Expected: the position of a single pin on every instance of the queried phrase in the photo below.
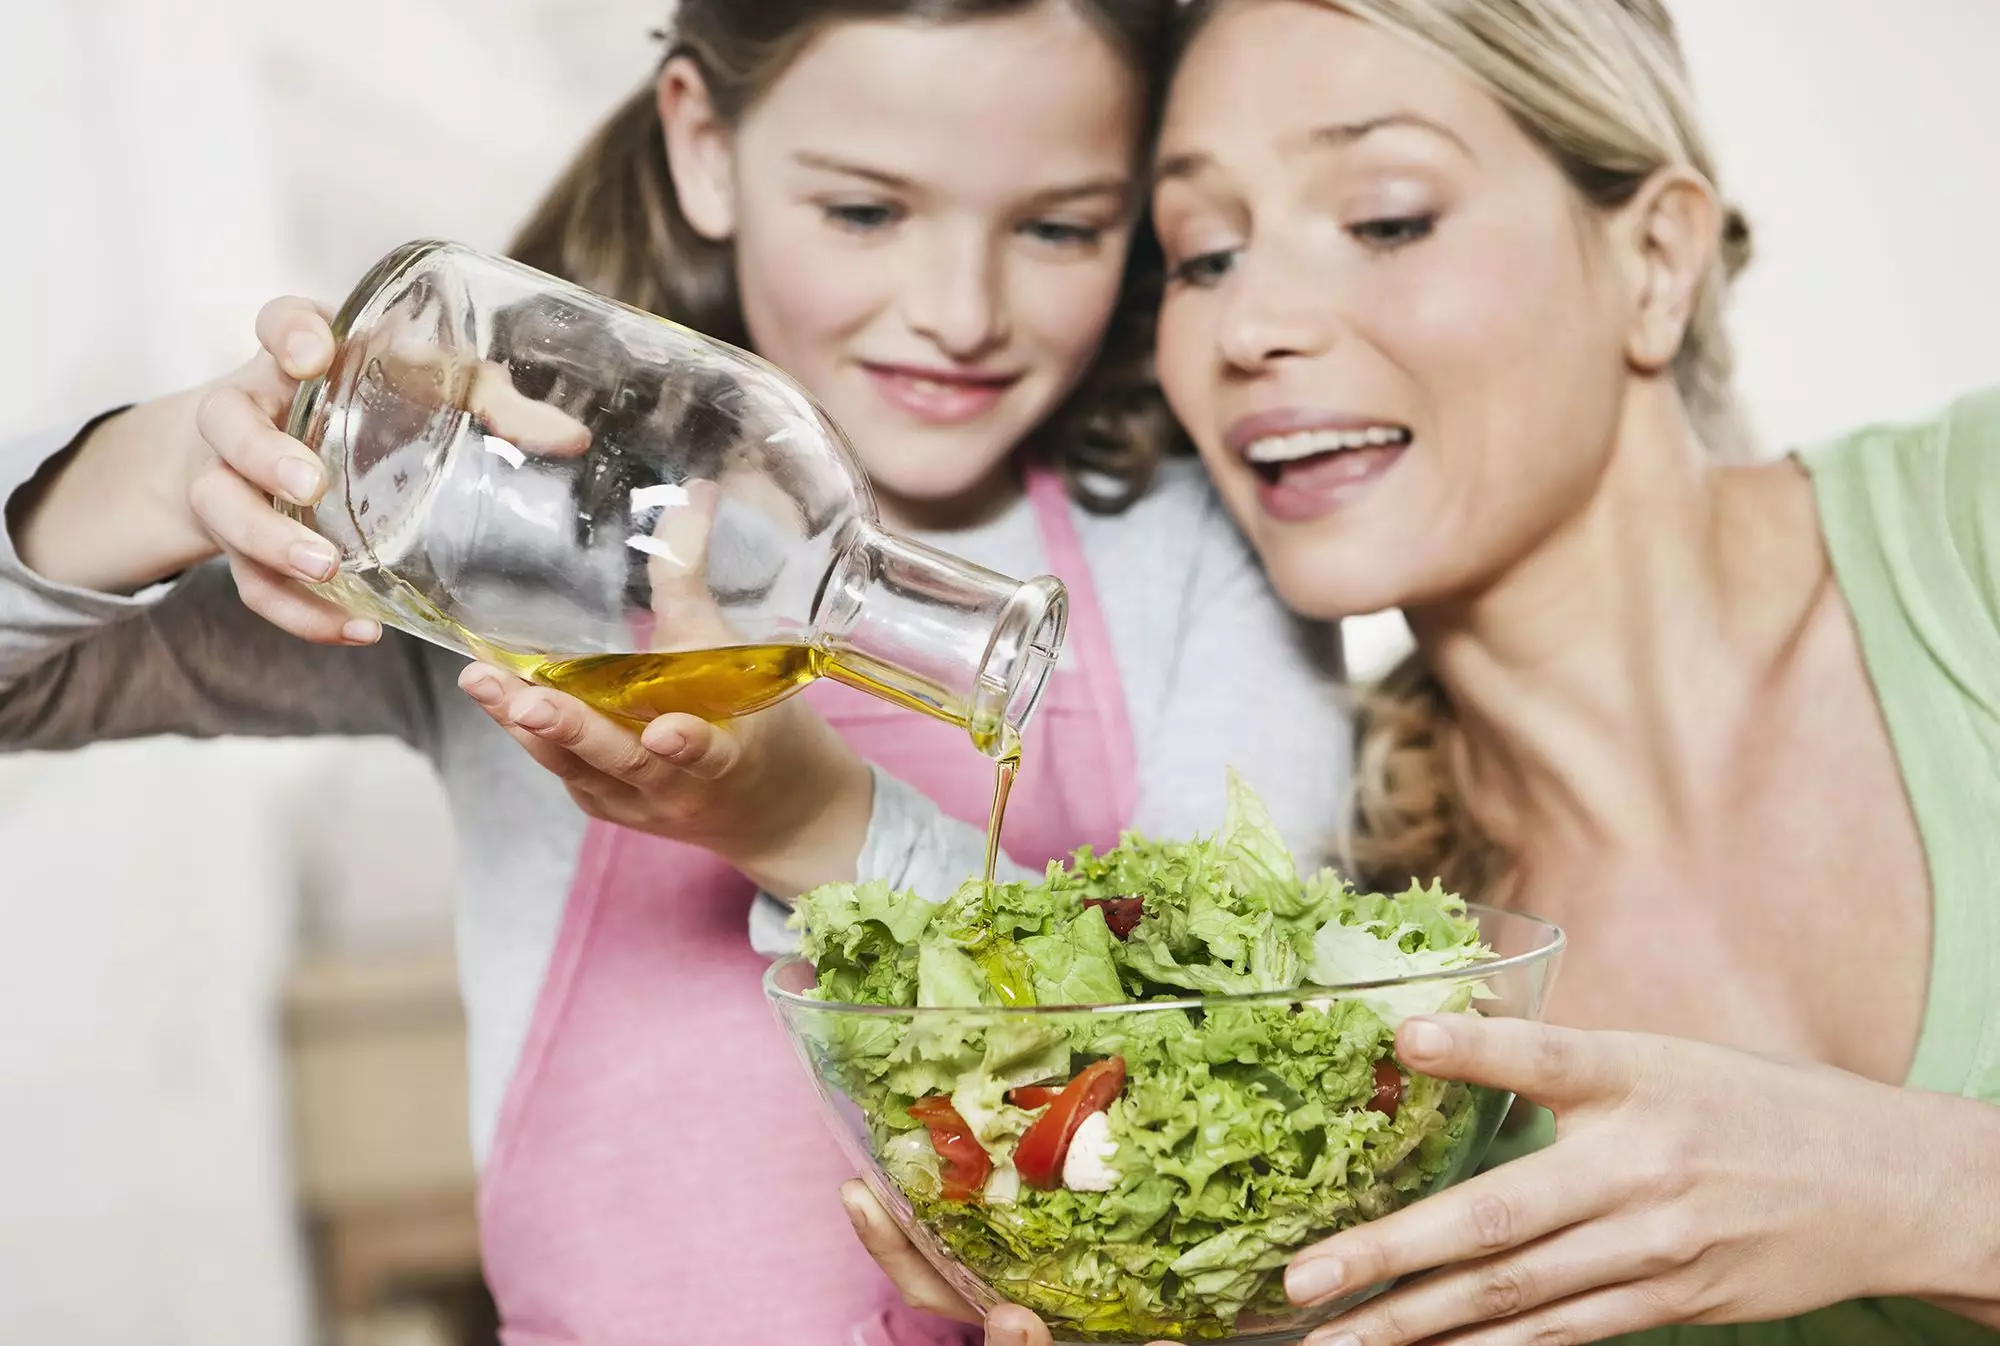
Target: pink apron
(661, 1172)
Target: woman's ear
(700, 156)
(1668, 235)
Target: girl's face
(1391, 326)
(930, 226)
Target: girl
(1735, 727)
(923, 209)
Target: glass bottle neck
(928, 631)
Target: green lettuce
(1244, 1130)
(1423, 931)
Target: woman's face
(1389, 327)
(930, 224)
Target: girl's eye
(1393, 232)
(1202, 271)
(1061, 234)
(862, 217)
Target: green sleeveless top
(1911, 518)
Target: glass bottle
(616, 506)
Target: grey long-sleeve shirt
(1215, 673)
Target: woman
(1735, 727)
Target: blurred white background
(165, 170)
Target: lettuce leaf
(1423, 931)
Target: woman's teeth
(1275, 449)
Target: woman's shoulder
(1978, 414)
(1962, 437)
(1923, 493)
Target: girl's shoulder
(1179, 515)
(1175, 560)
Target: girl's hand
(166, 485)
(163, 486)
(1688, 1184)
(778, 794)
(249, 461)
(921, 1286)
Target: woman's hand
(921, 1286)
(1688, 1184)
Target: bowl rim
(1553, 942)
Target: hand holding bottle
(166, 485)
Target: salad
(1148, 1171)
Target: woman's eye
(862, 217)
(1203, 270)
(1393, 231)
(1062, 234)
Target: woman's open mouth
(1308, 464)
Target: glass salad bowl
(1144, 1164)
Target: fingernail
(314, 560)
(855, 1215)
(304, 350)
(538, 716)
(362, 631)
(669, 745)
(484, 689)
(1311, 1279)
(1423, 1038)
(300, 477)
(1006, 1335)
(1344, 1339)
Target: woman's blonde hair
(613, 223)
(1603, 88)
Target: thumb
(921, 1285)
(1010, 1325)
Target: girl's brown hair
(613, 223)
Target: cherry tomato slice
(1388, 1089)
(1120, 913)
(966, 1165)
(1033, 1096)
(1040, 1155)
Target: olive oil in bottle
(718, 684)
(715, 684)
(722, 684)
